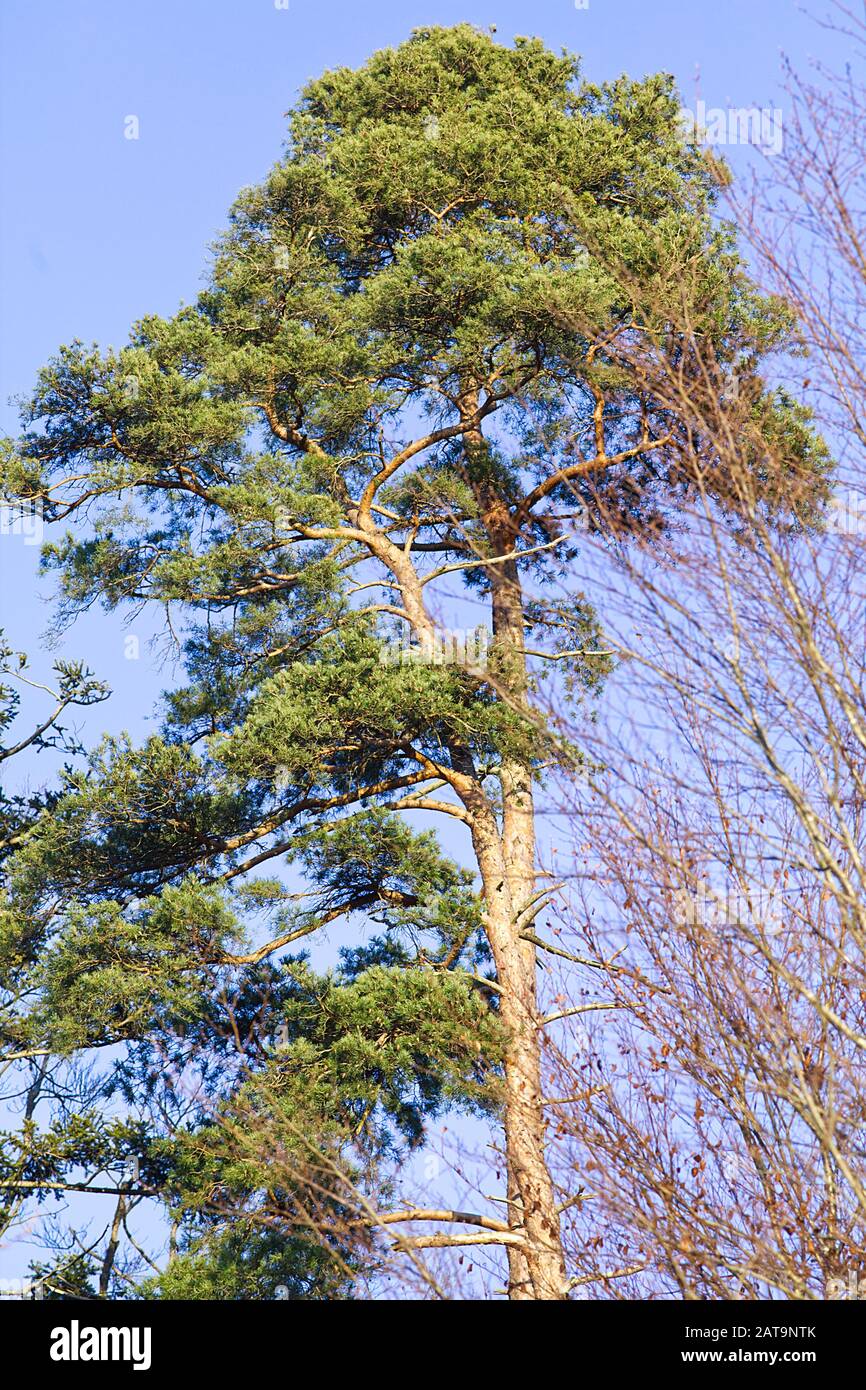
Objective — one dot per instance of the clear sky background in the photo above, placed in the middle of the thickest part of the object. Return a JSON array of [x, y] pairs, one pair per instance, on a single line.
[[97, 230]]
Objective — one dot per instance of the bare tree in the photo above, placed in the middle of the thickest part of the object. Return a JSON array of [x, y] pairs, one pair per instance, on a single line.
[[706, 1055]]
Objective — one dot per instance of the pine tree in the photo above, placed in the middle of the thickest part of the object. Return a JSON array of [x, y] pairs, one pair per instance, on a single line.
[[402, 377]]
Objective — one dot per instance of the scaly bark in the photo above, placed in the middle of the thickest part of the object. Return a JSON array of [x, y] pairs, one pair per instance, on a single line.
[[506, 858]]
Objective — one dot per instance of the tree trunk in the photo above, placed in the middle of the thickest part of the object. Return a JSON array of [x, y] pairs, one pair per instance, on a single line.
[[537, 1270], [506, 858]]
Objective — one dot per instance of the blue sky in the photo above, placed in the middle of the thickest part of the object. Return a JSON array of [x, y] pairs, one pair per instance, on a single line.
[[97, 229]]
